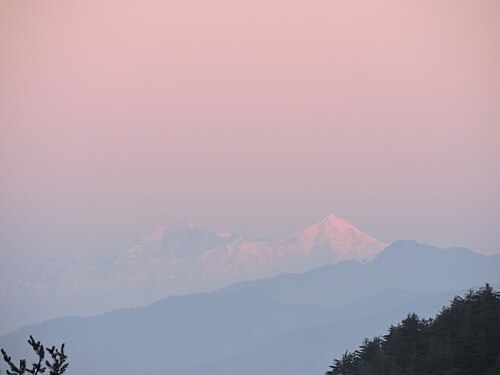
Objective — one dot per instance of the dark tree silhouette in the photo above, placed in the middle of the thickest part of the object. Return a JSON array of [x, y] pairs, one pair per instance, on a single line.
[[464, 338], [57, 365]]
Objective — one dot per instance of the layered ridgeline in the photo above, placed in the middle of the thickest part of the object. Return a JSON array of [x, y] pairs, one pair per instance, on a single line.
[[291, 324], [464, 338], [176, 259]]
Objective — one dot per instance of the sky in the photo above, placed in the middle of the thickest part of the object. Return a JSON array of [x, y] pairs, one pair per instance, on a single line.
[[117, 117]]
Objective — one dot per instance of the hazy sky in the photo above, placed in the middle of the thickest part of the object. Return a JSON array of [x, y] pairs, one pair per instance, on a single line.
[[257, 116]]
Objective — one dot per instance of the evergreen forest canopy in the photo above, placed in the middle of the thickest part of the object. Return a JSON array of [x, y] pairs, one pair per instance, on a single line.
[[464, 338]]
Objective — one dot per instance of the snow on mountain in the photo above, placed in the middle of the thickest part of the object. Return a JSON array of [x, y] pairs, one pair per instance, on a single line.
[[336, 239], [178, 240], [330, 241], [244, 260], [225, 234]]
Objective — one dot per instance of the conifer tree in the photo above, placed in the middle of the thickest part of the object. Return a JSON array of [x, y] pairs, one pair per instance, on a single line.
[[57, 365]]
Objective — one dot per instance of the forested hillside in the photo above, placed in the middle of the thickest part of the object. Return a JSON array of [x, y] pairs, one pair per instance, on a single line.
[[464, 338]]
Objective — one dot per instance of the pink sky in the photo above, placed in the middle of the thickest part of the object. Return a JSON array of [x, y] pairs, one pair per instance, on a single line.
[[117, 117]]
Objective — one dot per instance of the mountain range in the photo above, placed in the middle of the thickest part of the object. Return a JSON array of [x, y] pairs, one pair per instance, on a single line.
[[288, 324], [173, 260], [204, 260]]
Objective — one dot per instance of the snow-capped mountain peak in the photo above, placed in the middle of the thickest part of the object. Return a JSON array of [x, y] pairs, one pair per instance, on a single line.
[[336, 238]]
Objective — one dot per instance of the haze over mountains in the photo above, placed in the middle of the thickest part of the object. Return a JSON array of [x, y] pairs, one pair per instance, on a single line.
[[287, 306], [182, 251], [288, 324], [176, 259]]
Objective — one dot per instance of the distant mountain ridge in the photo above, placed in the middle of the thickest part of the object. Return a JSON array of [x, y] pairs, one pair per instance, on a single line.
[[336, 238], [209, 260], [178, 258], [290, 324]]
